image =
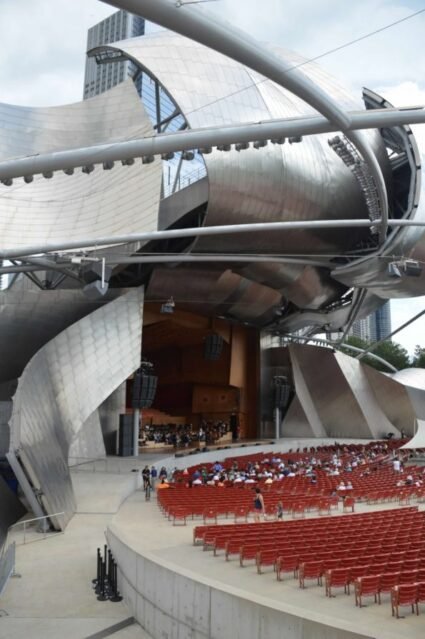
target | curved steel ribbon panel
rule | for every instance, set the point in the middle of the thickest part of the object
(63, 384)
(342, 397)
(299, 181)
(29, 318)
(124, 200)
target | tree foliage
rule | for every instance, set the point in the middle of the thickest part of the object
(418, 360)
(391, 352)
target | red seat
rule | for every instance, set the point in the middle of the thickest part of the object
(337, 578)
(348, 504)
(310, 570)
(287, 563)
(366, 587)
(387, 583)
(404, 595)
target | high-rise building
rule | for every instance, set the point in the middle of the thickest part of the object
(103, 75)
(374, 327)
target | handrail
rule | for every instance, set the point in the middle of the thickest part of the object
(24, 524)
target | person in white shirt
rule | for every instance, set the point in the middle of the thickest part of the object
(396, 465)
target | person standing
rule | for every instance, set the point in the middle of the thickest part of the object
(154, 475)
(258, 505)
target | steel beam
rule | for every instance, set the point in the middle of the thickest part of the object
(196, 138)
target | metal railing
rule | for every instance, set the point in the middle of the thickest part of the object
(39, 525)
(116, 465)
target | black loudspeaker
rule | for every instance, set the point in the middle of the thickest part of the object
(213, 347)
(144, 390)
(125, 436)
(281, 395)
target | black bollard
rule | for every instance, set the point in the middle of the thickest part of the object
(115, 597)
(98, 562)
(110, 571)
(102, 594)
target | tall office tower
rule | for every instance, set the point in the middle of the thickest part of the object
(101, 77)
(374, 327)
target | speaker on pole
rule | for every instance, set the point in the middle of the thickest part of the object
(144, 389)
(281, 392)
(213, 347)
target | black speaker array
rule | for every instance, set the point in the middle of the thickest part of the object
(125, 436)
(281, 395)
(213, 347)
(144, 390)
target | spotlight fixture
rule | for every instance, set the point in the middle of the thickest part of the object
(7, 181)
(205, 150)
(148, 159)
(260, 144)
(168, 306)
(278, 140)
(89, 168)
(167, 156)
(393, 270)
(28, 179)
(295, 139)
(69, 171)
(224, 147)
(188, 156)
(128, 162)
(48, 175)
(242, 146)
(107, 166)
(412, 268)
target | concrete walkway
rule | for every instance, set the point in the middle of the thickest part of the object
(53, 598)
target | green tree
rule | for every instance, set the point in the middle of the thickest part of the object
(418, 360)
(391, 352)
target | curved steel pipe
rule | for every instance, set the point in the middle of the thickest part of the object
(195, 138)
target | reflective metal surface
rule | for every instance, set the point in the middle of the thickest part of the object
(78, 205)
(88, 443)
(338, 396)
(61, 387)
(29, 318)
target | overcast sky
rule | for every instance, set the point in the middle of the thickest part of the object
(44, 42)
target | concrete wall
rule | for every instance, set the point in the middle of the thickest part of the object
(176, 605)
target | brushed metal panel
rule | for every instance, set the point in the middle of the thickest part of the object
(295, 423)
(61, 387)
(66, 207)
(88, 443)
(357, 379)
(29, 318)
(300, 181)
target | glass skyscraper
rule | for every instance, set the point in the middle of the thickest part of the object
(103, 75)
(374, 327)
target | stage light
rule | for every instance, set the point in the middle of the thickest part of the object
(107, 166)
(188, 156)
(89, 168)
(205, 150)
(295, 139)
(128, 162)
(242, 146)
(412, 268)
(224, 147)
(393, 270)
(69, 171)
(168, 306)
(7, 181)
(260, 144)
(28, 179)
(167, 156)
(148, 159)
(278, 140)
(48, 175)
